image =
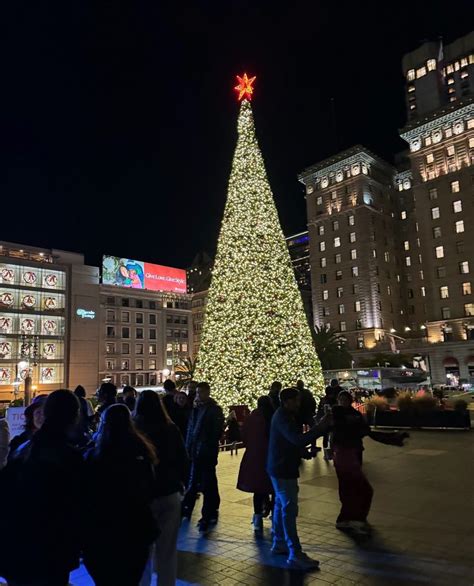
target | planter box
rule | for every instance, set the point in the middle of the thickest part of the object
(429, 419)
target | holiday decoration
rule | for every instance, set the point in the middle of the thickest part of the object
(49, 350)
(8, 275)
(50, 326)
(47, 374)
(50, 280)
(29, 277)
(27, 325)
(245, 88)
(6, 299)
(5, 376)
(50, 303)
(6, 324)
(5, 350)
(28, 302)
(255, 329)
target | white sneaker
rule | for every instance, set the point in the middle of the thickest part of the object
(302, 562)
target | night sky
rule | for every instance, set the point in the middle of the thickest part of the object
(118, 119)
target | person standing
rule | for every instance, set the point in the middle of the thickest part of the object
(286, 447)
(205, 429)
(329, 400)
(41, 537)
(253, 476)
(107, 395)
(182, 413)
(129, 397)
(34, 417)
(4, 441)
(169, 400)
(307, 408)
(170, 475)
(274, 393)
(121, 463)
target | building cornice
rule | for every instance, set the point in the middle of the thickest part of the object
(442, 118)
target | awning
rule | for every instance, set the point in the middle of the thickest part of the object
(450, 362)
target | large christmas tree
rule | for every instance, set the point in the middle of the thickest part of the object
(255, 329)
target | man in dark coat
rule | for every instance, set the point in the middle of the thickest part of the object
(205, 429)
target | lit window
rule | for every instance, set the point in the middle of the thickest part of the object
(340, 291)
(337, 242)
(406, 245)
(452, 98)
(351, 220)
(335, 225)
(457, 206)
(353, 254)
(338, 259)
(333, 195)
(433, 194)
(403, 215)
(445, 313)
(435, 213)
(352, 237)
(411, 74)
(423, 291)
(470, 123)
(450, 150)
(450, 69)
(466, 288)
(439, 251)
(450, 80)
(319, 200)
(468, 309)
(320, 230)
(471, 143)
(430, 158)
(455, 187)
(389, 290)
(322, 262)
(444, 292)
(342, 326)
(357, 306)
(374, 253)
(428, 141)
(464, 267)
(387, 256)
(152, 349)
(448, 132)
(322, 246)
(464, 62)
(338, 275)
(431, 64)
(355, 271)
(437, 232)
(325, 295)
(460, 226)
(408, 261)
(420, 72)
(341, 309)
(456, 66)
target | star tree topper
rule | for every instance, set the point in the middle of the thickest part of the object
(245, 88)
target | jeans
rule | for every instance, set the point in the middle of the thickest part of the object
(285, 513)
(262, 503)
(355, 491)
(164, 555)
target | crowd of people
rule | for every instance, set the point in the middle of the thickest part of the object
(111, 486)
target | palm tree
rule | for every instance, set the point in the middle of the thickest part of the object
(185, 371)
(331, 349)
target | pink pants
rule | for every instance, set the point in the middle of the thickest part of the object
(355, 491)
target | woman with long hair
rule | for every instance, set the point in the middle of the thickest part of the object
(119, 470)
(48, 526)
(253, 476)
(34, 417)
(152, 420)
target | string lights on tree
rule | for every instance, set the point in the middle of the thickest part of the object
(255, 329)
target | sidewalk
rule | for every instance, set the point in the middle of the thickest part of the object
(423, 515)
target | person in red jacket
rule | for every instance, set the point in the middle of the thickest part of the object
(253, 476)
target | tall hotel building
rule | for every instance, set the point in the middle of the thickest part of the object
(392, 267)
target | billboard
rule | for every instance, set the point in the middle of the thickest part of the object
(136, 274)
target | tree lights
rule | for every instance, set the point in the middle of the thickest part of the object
(255, 330)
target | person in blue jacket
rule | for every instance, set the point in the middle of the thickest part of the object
(286, 448)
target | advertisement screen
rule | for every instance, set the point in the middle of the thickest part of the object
(136, 274)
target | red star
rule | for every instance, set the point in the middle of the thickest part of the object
(245, 88)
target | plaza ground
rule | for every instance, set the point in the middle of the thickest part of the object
(423, 513)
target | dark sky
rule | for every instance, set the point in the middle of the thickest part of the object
(118, 118)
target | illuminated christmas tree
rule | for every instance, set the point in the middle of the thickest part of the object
(255, 330)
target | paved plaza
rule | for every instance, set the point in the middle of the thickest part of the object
(422, 515)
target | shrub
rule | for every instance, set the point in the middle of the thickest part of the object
(376, 402)
(460, 405)
(405, 401)
(425, 402)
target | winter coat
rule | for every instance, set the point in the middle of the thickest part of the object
(171, 472)
(119, 491)
(42, 525)
(205, 428)
(253, 476)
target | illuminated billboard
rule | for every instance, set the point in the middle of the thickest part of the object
(136, 274)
